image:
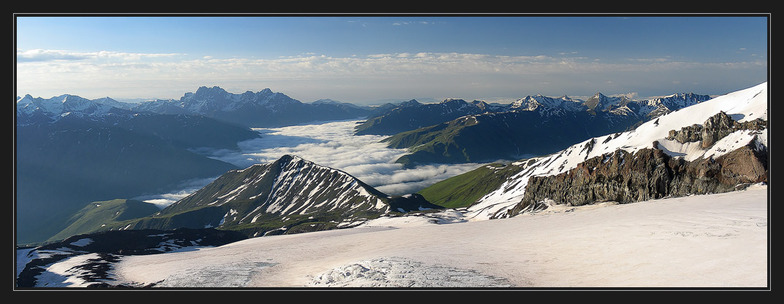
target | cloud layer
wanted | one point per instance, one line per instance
(330, 144)
(309, 77)
(333, 144)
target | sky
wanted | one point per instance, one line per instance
(369, 59)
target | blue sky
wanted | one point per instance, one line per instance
(364, 59)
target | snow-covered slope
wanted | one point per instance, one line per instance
(744, 105)
(662, 243)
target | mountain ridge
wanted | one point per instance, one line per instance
(412, 115)
(288, 195)
(264, 108)
(509, 133)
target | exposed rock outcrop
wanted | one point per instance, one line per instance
(715, 128)
(646, 174)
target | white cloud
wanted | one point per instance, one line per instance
(64, 55)
(333, 145)
(354, 78)
(166, 199)
(48, 55)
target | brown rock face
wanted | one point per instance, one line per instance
(647, 174)
(716, 127)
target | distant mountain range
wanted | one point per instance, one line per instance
(261, 109)
(412, 115)
(456, 131)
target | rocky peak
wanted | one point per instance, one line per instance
(601, 102)
(205, 92)
(454, 102)
(480, 104)
(410, 103)
(713, 129)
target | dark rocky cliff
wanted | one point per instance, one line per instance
(647, 174)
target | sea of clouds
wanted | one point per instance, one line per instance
(331, 144)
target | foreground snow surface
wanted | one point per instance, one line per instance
(717, 240)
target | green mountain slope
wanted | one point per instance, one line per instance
(105, 215)
(509, 135)
(465, 189)
(412, 115)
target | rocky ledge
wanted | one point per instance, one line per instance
(646, 174)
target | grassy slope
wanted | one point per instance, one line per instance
(465, 189)
(103, 215)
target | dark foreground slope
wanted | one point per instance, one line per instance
(108, 247)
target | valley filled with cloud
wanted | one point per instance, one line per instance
(331, 144)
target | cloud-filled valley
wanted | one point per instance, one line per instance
(334, 145)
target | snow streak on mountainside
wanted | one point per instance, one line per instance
(743, 106)
(531, 103)
(288, 195)
(288, 186)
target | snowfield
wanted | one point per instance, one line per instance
(717, 240)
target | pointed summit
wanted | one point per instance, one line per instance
(601, 102)
(410, 103)
(288, 195)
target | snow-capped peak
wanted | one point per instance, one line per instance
(530, 103)
(64, 104)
